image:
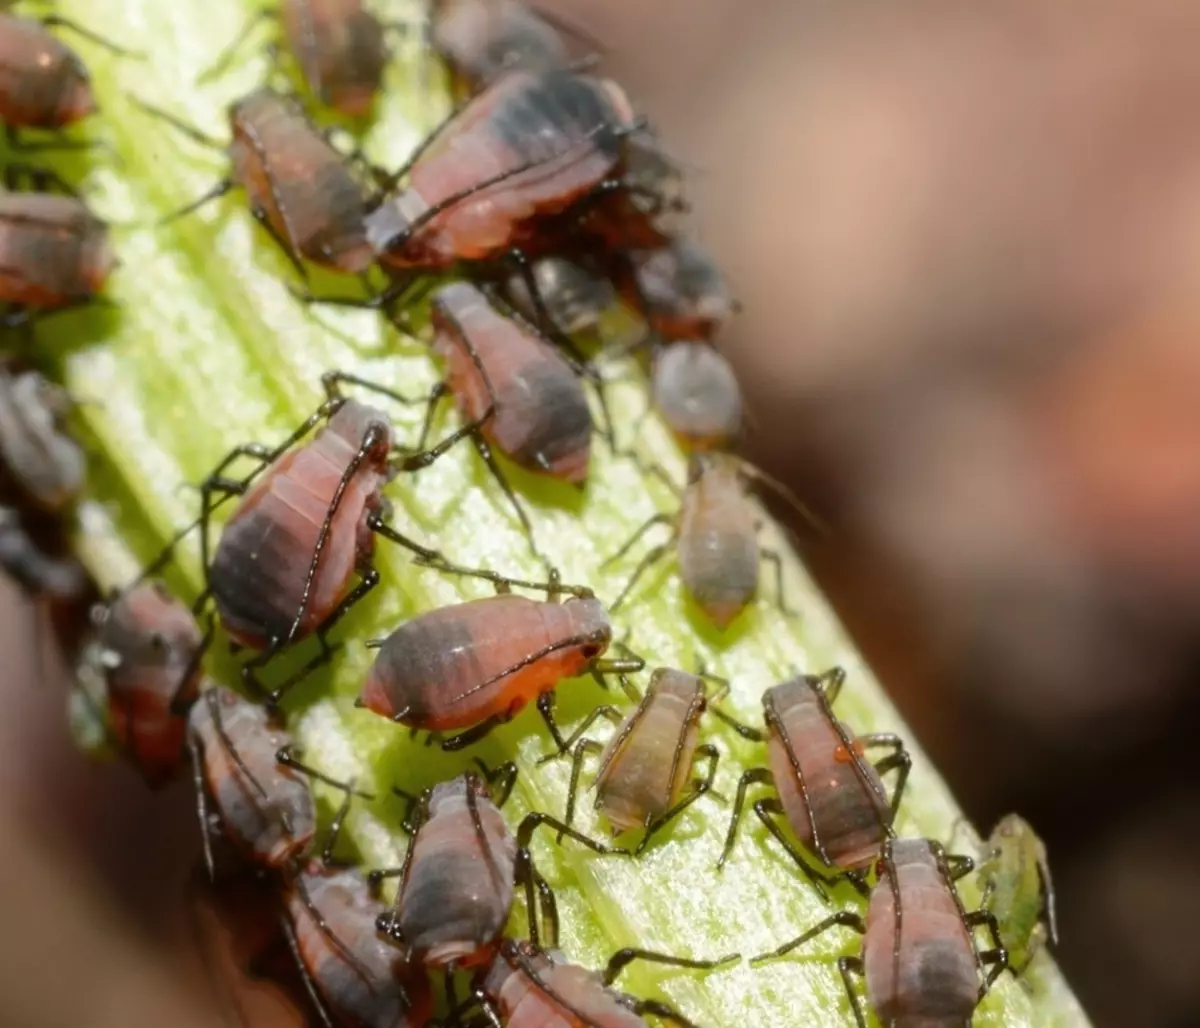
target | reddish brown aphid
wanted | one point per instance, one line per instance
(646, 213)
(524, 151)
(574, 297)
(264, 809)
(286, 564)
(47, 464)
(529, 987)
(145, 660)
(697, 394)
(833, 799)
(715, 534)
(354, 976)
(299, 188)
(54, 254)
(678, 288)
(460, 872)
(644, 779)
(922, 966)
(474, 665)
(43, 83)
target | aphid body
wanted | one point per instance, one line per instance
(697, 394)
(47, 464)
(926, 941)
(146, 652)
(523, 151)
(340, 48)
(1018, 890)
(574, 297)
(260, 571)
(53, 251)
(43, 83)
(265, 808)
(455, 898)
(541, 419)
(678, 289)
(483, 39)
(297, 184)
(362, 981)
(483, 660)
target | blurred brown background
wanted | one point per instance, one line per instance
(966, 237)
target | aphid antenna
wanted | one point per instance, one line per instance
(552, 588)
(624, 957)
(952, 867)
(225, 57)
(58, 21)
(606, 711)
(500, 780)
(753, 473)
(843, 918)
(287, 757)
(181, 126)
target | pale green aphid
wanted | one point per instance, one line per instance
(1018, 890)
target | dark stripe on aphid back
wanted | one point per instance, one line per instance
(557, 112)
(563, 424)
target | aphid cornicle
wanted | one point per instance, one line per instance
(831, 797)
(919, 956)
(299, 188)
(475, 665)
(715, 534)
(288, 557)
(529, 987)
(644, 780)
(143, 666)
(47, 465)
(461, 869)
(1018, 890)
(54, 254)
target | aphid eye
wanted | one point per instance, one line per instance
(591, 650)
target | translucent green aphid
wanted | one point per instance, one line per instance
(1018, 890)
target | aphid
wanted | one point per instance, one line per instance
(245, 795)
(338, 45)
(54, 255)
(474, 665)
(678, 288)
(529, 987)
(919, 955)
(491, 181)
(714, 532)
(644, 780)
(142, 666)
(43, 83)
(288, 557)
(696, 392)
(461, 870)
(831, 797)
(299, 188)
(574, 297)
(645, 213)
(40, 575)
(46, 463)
(1018, 890)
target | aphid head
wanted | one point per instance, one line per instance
(359, 424)
(150, 627)
(590, 622)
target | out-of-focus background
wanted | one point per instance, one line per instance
(967, 238)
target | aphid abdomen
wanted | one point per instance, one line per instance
(542, 419)
(682, 289)
(273, 822)
(697, 394)
(482, 39)
(42, 82)
(459, 890)
(378, 989)
(938, 984)
(644, 773)
(430, 672)
(52, 250)
(718, 547)
(850, 817)
(340, 48)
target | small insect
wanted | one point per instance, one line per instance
(41, 575)
(474, 665)
(696, 392)
(47, 464)
(645, 214)
(714, 532)
(529, 987)
(338, 45)
(288, 557)
(1018, 890)
(919, 955)
(461, 869)
(299, 188)
(142, 667)
(831, 797)
(574, 297)
(54, 255)
(678, 288)
(43, 82)
(644, 780)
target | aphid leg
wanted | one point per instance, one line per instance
(848, 966)
(40, 179)
(606, 711)
(331, 380)
(57, 20)
(664, 1012)
(289, 933)
(650, 557)
(773, 557)
(755, 776)
(997, 955)
(193, 744)
(485, 452)
(545, 706)
(500, 780)
(845, 918)
(760, 477)
(768, 810)
(699, 787)
(744, 730)
(259, 213)
(225, 57)
(898, 760)
(471, 735)
(377, 525)
(582, 748)
(549, 910)
(829, 682)
(504, 583)
(958, 866)
(624, 957)
(287, 757)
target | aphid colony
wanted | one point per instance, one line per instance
(550, 202)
